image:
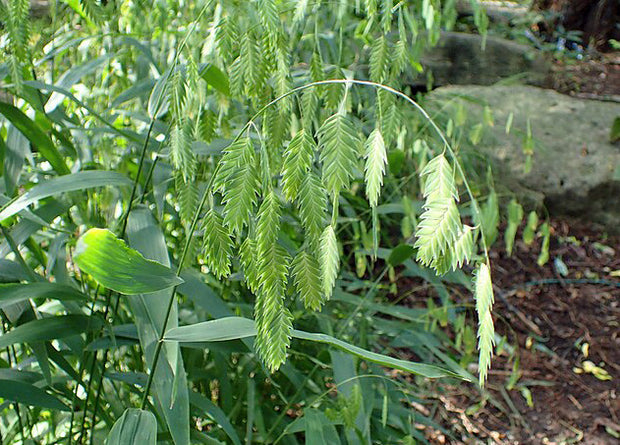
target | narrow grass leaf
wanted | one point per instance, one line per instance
(231, 328)
(205, 405)
(39, 139)
(27, 394)
(50, 328)
(400, 254)
(216, 78)
(12, 293)
(424, 370)
(159, 100)
(222, 329)
(68, 183)
(149, 311)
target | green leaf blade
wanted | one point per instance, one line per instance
(222, 329)
(134, 426)
(27, 394)
(37, 137)
(114, 265)
(13, 293)
(68, 183)
(50, 328)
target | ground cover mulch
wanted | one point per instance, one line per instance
(563, 322)
(596, 77)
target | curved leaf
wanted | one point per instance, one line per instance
(429, 371)
(12, 293)
(216, 78)
(232, 328)
(120, 268)
(68, 183)
(222, 329)
(215, 412)
(36, 135)
(133, 427)
(50, 328)
(400, 254)
(21, 392)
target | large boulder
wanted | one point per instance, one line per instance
(462, 59)
(574, 165)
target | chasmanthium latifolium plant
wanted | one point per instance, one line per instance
(251, 129)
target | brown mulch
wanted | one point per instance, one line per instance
(594, 78)
(547, 314)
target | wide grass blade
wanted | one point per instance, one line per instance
(69, 183)
(50, 328)
(120, 268)
(135, 426)
(170, 382)
(223, 329)
(12, 293)
(39, 139)
(27, 394)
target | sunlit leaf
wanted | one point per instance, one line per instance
(120, 268)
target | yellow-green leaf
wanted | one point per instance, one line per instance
(114, 265)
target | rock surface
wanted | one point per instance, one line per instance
(458, 59)
(574, 165)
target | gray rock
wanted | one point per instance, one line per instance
(459, 59)
(497, 11)
(574, 165)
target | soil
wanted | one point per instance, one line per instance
(597, 77)
(547, 315)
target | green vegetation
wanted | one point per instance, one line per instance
(205, 207)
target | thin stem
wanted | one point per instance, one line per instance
(17, 411)
(17, 253)
(91, 372)
(80, 381)
(148, 178)
(137, 180)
